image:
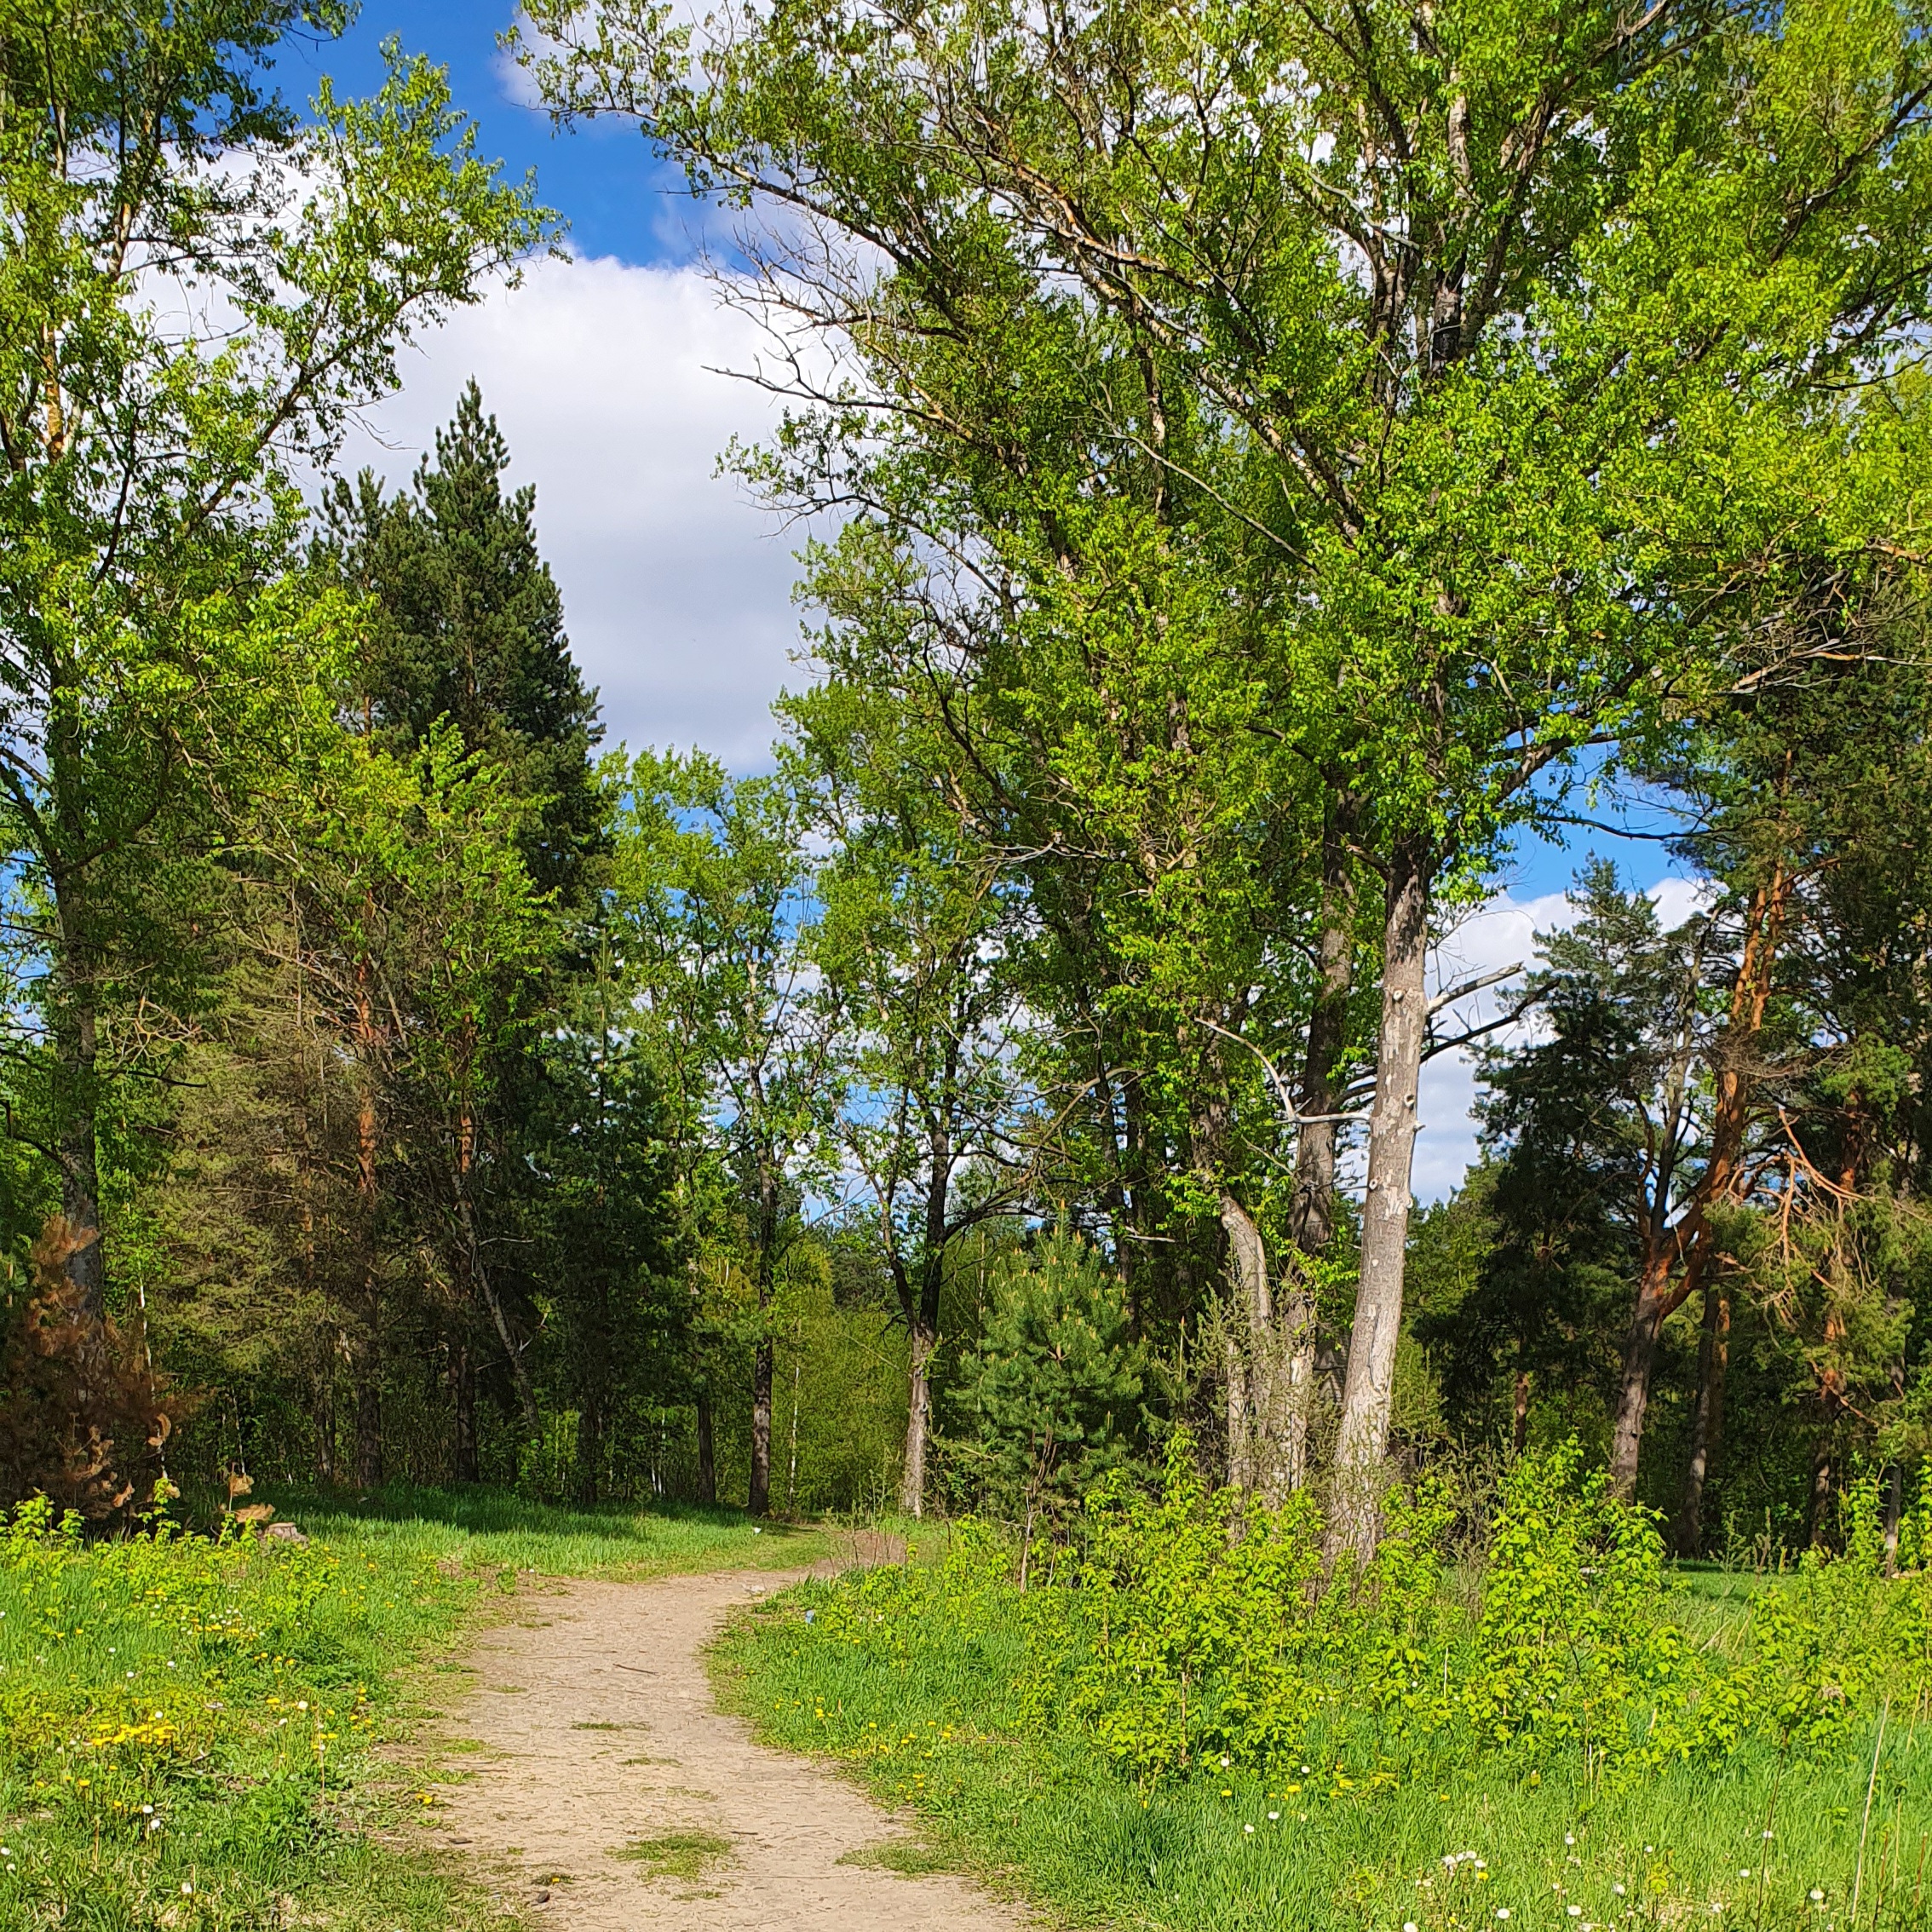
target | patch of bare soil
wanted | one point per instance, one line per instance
(606, 1784)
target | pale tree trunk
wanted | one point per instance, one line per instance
(1368, 1394)
(1259, 1446)
(921, 1305)
(921, 1342)
(1894, 1508)
(1518, 1407)
(758, 1497)
(1312, 1218)
(367, 1370)
(1707, 1417)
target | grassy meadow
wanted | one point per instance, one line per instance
(1787, 1789)
(211, 1734)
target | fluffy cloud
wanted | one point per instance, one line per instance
(1501, 933)
(604, 379)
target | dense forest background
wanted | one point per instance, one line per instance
(1240, 507)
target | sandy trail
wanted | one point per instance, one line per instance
(598, 1731)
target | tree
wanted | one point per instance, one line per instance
(196, 286)
(1055, 1381)
(1483, 307)
(717, 923)
(466, 624)
(912, 943)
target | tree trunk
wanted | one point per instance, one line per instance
(464, 1464)
(1707, 1415)
(758, 1499)
(367, 1370)
(1819, 1505)
(1654, 1303)
(76, 1025)
(326, 1427)
(589, 1450)
(1259, 1449)
(1369, 1391)
(1311, 1221)
(1518, 1408)
(921, 1340)
(1894, 1508)
(1693, 1242)
(707, 1453)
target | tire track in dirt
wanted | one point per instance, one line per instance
(590, 1728)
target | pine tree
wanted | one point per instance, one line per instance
(468, 626)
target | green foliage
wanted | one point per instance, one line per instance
(1056, 1379)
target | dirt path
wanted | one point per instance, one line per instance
(591, 1731)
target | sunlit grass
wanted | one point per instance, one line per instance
(189, 1731)
(1466, 1844)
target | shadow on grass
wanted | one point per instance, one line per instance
(493, 1528)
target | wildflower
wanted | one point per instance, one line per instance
(1224, 1761)
(1249, 1829)
(1569, 1838)
(1574, 1911)
(1817, 1896)
(1617, 1890)
(1502, 1911)
(187, 1890)
(1408, 1925)
(1273, 1816)
(1744, 1871)
(1768, 1834)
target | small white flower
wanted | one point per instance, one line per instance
(147, 1811)
(1249, 1829)
(187, 1890)
(1273, 1815)
(1574, 1911)
(1569, 1838)
(1768, 1834)
(1224, 1761)
(1817, 1896)
(1744, 1871)
(1502, 1911)
(1408, 1925)
(1304, 1770)
(1617, 1890)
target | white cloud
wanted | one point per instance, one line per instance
(1503, 932)
(676, 590)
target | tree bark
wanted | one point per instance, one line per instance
(366, 1366)
(1312, 1217)
(1894, 1508)
(465, 1464)
(1656, 1300)
(921, 1340)
(1707, 1415)
(1694, 1240)
(1368, 1394)
(589, 1450)
(758, 1498)
(1518, 1408)
(326, 1427)
(707, 1453)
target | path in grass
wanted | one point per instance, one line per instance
(608, 1782)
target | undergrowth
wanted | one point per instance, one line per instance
(190, 1725)
(1534, 1727)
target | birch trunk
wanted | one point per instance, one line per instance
(1362, 1444)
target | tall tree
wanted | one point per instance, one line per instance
(712, 892)
(197, 284)
(1485, 302)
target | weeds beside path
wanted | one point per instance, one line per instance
(209, 1737)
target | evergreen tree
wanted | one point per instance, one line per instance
(1055, 1382)
(468, 625)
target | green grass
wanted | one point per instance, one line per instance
(677, 1855)
(191, 1734)
(934, 1728)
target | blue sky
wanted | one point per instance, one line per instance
(611, 376)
